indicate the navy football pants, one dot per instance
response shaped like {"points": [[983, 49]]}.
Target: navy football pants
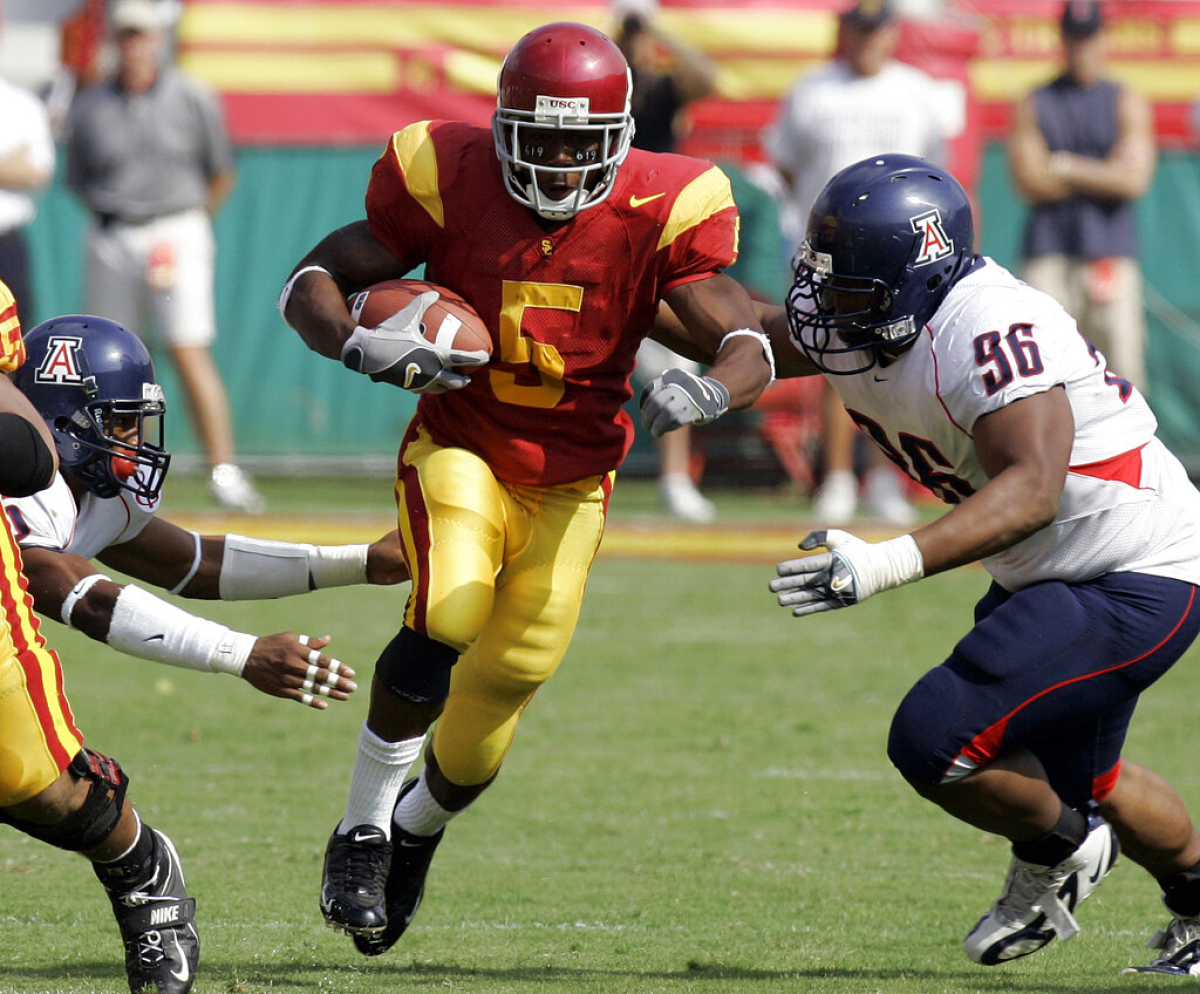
{"points": [[1055, 668]]}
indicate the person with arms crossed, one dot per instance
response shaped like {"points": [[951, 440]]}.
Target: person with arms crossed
{"points": [[148, 155], [982, 389], [52, 787], [93, 383], [862, 102], [1082, 152], [564, 241]]}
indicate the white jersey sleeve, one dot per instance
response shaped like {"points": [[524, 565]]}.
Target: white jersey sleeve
{"points": [[52, 520]]}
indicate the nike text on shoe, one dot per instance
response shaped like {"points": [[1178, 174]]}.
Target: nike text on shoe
{"points": [[1179, 943], [411, 856], [158, 927], [356, 866], [1038, 901]]}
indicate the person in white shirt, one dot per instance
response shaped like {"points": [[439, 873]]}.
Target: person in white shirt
{"points": [[92, 381], [26, 166], [983, 390], [860, 103]]}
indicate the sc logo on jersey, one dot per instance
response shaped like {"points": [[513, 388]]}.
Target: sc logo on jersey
{"points": [[62, 365], [935, 243]]}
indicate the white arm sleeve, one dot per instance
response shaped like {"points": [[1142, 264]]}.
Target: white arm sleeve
{"points": [[144, 626], [257, 568]]}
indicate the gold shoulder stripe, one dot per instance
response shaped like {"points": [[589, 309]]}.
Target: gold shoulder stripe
{"points": [[417, 159], [706, 195]]}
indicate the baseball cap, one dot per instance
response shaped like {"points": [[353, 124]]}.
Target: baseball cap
{"points": [[868, 14], [137, 15], [1081, 19]]}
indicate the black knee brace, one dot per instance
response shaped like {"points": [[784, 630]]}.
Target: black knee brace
{"points": [[94, 820], [416, 668]]}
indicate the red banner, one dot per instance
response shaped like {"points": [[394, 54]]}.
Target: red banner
{"points": [[352, 71]]}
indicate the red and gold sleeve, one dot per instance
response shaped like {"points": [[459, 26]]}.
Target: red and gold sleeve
{"points": [[404, 200], [701, 233]]}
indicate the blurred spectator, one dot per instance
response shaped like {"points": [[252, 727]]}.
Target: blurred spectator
{"points": [[26, 165], [860, 103], [148, 154], [1082, 151], [667, 76]]}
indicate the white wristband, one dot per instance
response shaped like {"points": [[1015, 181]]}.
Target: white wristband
{"points": [[762, 340], [286, 293], [78, 593], [258, 568], [150, 628]]}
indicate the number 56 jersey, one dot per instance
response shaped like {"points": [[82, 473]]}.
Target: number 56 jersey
{"points": [[1127, 504], [567, 303]]}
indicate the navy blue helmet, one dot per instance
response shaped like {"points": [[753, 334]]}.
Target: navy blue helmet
{"points": [[887, 238], [92, 380]]}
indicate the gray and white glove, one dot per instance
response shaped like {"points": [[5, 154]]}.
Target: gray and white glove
{"points": [[848, 574], [678, 398], [397, 352]]}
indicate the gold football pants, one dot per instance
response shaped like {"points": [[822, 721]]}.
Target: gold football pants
{"points": [[499, 573]]}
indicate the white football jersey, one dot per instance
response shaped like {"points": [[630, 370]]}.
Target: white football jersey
{"points": [[1127, 505], [51, 519]]}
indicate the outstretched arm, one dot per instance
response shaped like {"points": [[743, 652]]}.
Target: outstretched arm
{"points": [[134, 621]]}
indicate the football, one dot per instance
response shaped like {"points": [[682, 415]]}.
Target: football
{"points": [[449, 321]]}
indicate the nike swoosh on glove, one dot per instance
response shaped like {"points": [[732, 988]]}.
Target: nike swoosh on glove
{"points": [[397, 352], [850, 572], [678, 398]]}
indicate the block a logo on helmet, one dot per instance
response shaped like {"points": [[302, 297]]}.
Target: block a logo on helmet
{"points": [[563, 123], [93, 383], [887, 238]]}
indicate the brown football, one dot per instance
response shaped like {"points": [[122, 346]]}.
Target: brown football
{"points": [[450, 321]]}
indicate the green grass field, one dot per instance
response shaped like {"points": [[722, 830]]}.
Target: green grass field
{"points": [[698, 801]]}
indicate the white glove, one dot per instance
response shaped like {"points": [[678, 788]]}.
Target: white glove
{"points": [[678, 398], [848, 574], [396, 352]]}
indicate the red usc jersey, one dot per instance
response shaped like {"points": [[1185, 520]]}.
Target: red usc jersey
{"points": [[567, 303]]}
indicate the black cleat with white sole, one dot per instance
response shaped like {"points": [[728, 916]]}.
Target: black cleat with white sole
{"points": [[157, 920]]}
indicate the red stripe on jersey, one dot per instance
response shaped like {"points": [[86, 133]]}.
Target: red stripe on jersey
{"points": [[1125, 468], [985, 746], [1103, 785]]}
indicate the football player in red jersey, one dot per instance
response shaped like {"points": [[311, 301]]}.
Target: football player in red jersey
{"points": [[52, 787], [564, 240]]}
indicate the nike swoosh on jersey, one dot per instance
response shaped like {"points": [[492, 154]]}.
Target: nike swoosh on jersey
{"points": [[639, 201]]}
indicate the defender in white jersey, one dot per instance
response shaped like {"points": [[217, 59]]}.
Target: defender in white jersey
{"points": [[982, 389], [93, 382]]}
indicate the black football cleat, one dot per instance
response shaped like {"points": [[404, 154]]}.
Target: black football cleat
{"points": [[356, 866], [157, 920], [411, 856]]}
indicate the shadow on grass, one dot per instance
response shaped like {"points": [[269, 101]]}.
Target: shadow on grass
{"points": [[222, 977]]}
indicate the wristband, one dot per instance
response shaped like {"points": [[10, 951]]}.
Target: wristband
{"points": [[762, 340], [78, 593], [286, 293]]}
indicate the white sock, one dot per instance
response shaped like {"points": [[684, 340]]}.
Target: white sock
{"points": [[419, 813], [379, 769]]}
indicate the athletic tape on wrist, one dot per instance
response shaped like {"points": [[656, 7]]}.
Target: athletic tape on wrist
{"points": [[257, 568], [78, 593], [286, 293], [762, 340], [150, 628]]}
